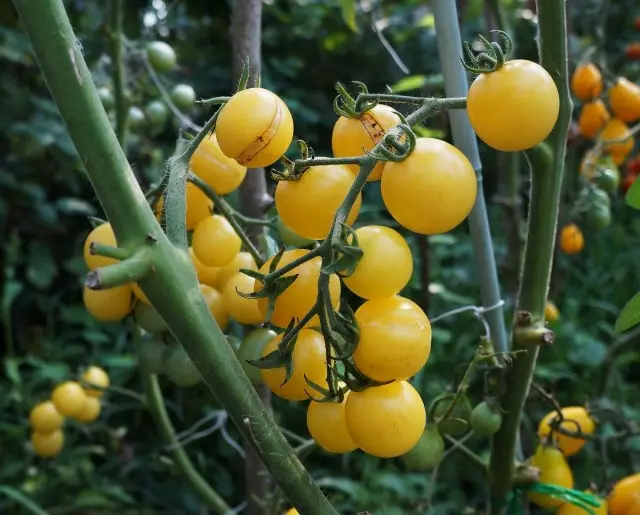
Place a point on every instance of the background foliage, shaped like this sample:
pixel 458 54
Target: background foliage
pixel 119 463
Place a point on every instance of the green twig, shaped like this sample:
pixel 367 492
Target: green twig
pixel 472 456
pixel 118 69
pixel 127 271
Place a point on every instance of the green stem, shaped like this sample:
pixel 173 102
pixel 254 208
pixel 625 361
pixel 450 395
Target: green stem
pixel 231 215
pixel 462 388
pixel 323 161
pixel 155 404
pixel 172 286
pixel 98 249
pixel 127 271
pixel 472 456
pixel 547 168
pixel 118 69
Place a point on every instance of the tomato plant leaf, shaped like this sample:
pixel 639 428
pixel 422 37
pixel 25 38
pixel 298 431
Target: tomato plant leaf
pixel 633 195
pixel 326 393
pixel 629 316
pixel 348 9
pixel 274 359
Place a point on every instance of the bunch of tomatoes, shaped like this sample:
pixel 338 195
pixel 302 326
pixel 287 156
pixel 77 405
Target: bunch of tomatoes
pixel 77 400
pixel 550 459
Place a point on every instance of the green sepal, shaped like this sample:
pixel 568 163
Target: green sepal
pixel 244 75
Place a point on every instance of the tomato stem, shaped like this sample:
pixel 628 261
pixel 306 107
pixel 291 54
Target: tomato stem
pixel 116 34
pixel 99 249
pixel 128 270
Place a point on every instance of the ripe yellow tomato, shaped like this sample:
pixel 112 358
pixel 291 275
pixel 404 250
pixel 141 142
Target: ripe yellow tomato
pixel 309 359
pixel 551 312
pixel 386 421
pixel 214 301
pixel 351 135
pixel 47 445
pixel 386 264
pixel 45 418
pixel 301 296
pixel 222 173
pixel 214 241
pixel 206 274
pixel 109 305
pixel 69 398
pixel 245 311
pixel 499 101
pixel 97 376
pixel 395 338
pixel 574 418
pixel 586 82
pixel 624 98
pixel 554 470
pixel 242 260
pixel 327 426
pixel 617 130
pixel 572 509
pixel 292 511
pixel 139 294
pixel 102 234
pixel 308 205
pixel 91 410
pixel 625 497
pixel 433 190
pixel 254 127
pixel 571 239
pixel 593 118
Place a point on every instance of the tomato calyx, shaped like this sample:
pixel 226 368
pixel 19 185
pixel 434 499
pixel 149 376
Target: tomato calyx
pixel 494 56
pixel 345 105
pixel 243 82
pixel 348 251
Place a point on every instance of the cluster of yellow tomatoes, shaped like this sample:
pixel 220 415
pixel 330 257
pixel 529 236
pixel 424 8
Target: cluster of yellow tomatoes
pixel 69 399
pixel 550 459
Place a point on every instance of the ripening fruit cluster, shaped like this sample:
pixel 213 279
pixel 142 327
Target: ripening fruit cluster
pixel 79 401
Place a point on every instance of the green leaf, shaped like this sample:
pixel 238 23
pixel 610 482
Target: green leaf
pixel 12 371
pixel 22 500
pixel 348 9
pixel 41 267
pixel 629 316
pixel 633 195
pixel 409 83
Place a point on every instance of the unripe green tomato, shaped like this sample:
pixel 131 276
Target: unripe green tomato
pixel 462 411
pixel 427 453
pixel 161 56
pixel 157 113
pixel 183 96
pixel 234 342
pixel 178 367
pixel 608 179
pixel 106 97
pixel 289 237
pixel 599 216
pixel 136 119
pixel 148 318
pixel 151 354
pixel 250 349
pixel 485 419
pixel 599 197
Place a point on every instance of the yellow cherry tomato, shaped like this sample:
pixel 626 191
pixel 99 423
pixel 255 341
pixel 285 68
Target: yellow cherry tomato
pixel 245 311
pixel 499 102
pixel 214 301
pixel 586 82
pixel 139 294
pixel 222 173
pixel 45 418
pixel 572 509
pixel 386 264
pixel 593 118
pixel 433 190
pixel 395 338
pixel 551 312
pixel 351 136
pixel 97 376
pixel 574 418
pixel 91 410
pixel 386 421
pixel 292 511
pixel 617 130
pixel 214 241
pixel 242 260
pixel 625 497
pixel 571 239
pixel 308 205
pixel 254 127
pixel 554 470
pixel 328 427
pixel 47 445
pixel 309 360
pixel 102 234
pixel 69 398
pixel 109 305
pixel 206 274
pixel 624 98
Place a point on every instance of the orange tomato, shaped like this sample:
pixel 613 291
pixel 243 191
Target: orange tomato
pixel 624 98
pixel 586 82
pixel 554 470
pixel 617 130
pixel 574 418
pixel 625 496
pixel 571 239
pixel 633 51
pixel 593 118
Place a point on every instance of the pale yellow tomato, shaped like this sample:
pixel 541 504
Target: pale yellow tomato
pixel 102 234
pixel 91 410
pixel 554 470
pixel 624 97
pixel 206 274
pixel 328 427
pixel 222 173
pixel 109 305
pixel 69 398
pixel 245 311
pixel 242 260
pixel 47 445
pixel 96 376
pixel 214 301
pixel 45 418
pixel 214 242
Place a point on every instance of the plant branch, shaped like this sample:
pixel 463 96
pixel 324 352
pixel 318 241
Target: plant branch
pixel 99 249
pixel 118 69
pixel 472 456
pixel 127 271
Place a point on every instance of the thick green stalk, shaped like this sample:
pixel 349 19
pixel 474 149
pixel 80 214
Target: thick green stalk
pixel 456 85
pixel 155 404
pixel 118 70
pixel 172 286
pixel 547 168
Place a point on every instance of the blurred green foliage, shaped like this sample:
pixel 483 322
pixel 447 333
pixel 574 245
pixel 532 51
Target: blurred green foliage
pixel 119 463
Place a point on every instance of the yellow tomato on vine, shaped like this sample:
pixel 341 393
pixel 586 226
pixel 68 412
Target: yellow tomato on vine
pixel 616 130
pixel 215 242
pixel 95 376
pixel 554 470
pixel 222 173
pixel 328 427
pixel 109 305
pixel 586 82
pixel 45 418
pixel 90 411
pixel 206 274
pixel 216 306
pixel 243 310
pixel 571 239
pixel 102 234
pixel 69 398
pixel 593 118
pixel 575 418
pixel 47 445
pixel 624 499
